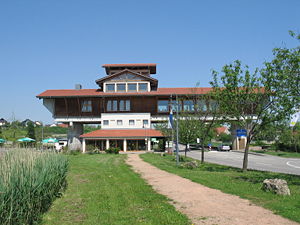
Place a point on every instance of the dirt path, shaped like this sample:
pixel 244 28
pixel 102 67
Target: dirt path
pixel 201 204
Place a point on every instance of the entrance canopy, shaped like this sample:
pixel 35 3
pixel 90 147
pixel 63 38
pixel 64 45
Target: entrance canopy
pixel 125 133
pixel 125 139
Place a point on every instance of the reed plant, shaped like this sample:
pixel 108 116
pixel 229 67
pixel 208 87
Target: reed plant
pixel 29 182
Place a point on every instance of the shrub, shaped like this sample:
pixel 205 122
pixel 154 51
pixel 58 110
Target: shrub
pixel 112 150
pixel 29 182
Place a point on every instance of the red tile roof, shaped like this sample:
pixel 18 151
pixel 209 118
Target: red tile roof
pixel 98 93
pixel 129 65
pixel 126 133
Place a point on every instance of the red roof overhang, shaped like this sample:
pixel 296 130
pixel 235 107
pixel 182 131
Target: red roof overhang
pixel 126 133
pixel 99 93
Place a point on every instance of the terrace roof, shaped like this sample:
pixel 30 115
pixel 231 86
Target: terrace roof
pixel 125 133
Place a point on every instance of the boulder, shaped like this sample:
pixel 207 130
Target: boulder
pixel 278 186
pixel 190 165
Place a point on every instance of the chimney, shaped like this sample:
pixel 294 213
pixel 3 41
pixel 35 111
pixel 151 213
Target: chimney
pixel 78 87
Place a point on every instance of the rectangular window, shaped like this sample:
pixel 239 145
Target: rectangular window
pixel 188 105
pixel 127 105
pixel 105 122
pixel 122 105
pixel 86 106
pixel 145 123
pixel 131 122
pixel 110 87
pixel 108 105
pixel 121 87
pixel 114 105
pixel 119 122
pixel 163 106
pixel 174 105
pixel 143 86
pixel 131 87
pixel 201 105
pixel 213 105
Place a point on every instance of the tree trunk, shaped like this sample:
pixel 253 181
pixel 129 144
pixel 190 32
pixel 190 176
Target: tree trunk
pixel 202 153
pixel 185 150
pixel 245 161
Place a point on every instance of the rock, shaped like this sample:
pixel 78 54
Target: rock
pixel 278 186
pixel 190 165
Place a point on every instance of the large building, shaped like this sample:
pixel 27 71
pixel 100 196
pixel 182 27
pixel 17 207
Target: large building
pixel 127 103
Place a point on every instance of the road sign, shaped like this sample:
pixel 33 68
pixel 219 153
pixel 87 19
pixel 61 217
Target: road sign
pixel 241 133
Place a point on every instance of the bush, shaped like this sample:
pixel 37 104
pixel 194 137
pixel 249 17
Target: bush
pixel 112 150
pixel 29 182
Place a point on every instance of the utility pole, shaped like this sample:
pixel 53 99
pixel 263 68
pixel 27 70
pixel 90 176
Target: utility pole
pixel 177 150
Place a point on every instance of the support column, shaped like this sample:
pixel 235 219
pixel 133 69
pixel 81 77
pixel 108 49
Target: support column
pixel 74 131
pixel 125 145
pixel 149 144
pixel 83 146
pixel 107 143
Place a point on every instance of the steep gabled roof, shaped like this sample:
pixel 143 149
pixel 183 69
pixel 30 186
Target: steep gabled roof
pixel 101 80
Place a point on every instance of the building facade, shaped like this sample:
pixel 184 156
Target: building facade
pixel 127 104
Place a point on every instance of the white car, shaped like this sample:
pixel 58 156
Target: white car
pixel 224 147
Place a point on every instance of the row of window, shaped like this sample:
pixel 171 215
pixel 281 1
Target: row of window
pixel 126 87
pixel 131 122
pixel 186 105
pixel 162 105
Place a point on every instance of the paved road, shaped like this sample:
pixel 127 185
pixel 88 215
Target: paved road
pixel 256 161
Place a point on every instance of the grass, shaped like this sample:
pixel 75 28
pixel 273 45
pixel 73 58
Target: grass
pixel 280 153
pixel 234 181
pixel 102 189
pixel 29 182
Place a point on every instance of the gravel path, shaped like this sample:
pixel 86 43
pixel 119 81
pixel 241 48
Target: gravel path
pixel 201 204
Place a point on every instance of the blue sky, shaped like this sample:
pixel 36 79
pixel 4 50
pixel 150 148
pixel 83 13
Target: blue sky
pixel 59 43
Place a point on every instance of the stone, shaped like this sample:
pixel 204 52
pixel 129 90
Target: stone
pixel 190 165
pixel 278 186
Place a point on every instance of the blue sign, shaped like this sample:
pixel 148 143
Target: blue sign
pixel 241 133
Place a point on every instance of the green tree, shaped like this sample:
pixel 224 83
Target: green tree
pixel 30 130
pixel 250 100
pixel 1 134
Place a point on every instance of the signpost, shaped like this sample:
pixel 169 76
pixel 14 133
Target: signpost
pixel 241 133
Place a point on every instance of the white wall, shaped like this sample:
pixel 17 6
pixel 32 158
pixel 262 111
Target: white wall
pixel 125 117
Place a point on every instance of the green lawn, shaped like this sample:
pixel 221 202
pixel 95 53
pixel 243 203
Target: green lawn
pixel 281 154
pixel 234 181
pixel 102 189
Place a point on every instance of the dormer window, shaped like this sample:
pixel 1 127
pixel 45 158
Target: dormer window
pixel 121 87
pixel 143 86
pixel 132 87
pixel 110 87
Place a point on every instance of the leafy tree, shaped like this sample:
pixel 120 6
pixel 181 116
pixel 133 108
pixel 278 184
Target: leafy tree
pixel 30 130
pixel 250 100
pixel 1 134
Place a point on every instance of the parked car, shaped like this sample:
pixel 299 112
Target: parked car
pixel 224 147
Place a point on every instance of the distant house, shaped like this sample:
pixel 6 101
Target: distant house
pixel 222 130
pixel 3 122
pixel 63 125
pixel 27 121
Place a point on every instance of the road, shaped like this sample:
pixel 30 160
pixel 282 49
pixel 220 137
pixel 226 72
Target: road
pixel 256 161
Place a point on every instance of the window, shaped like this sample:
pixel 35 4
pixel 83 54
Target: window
pixel 112 105
pixel 121 87
pixel 131 122
pixel 201 105
pixel 145 123
pixel 127 105
pixel 213 105
pixel 86 106
pixel 143 86
pixel 110 87
pixel 162 106
pixel 188 105
pixel 119 122
pixel 131 87
pixel 105 122
pixel 174 105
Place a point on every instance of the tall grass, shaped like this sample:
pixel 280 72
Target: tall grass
pixel 29 182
